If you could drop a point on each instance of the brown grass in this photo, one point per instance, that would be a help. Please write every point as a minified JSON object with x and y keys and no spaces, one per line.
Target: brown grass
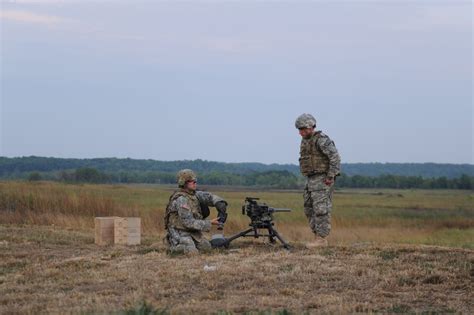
{"x":378,"y":259}
{"x":385,"y":216}
{"x":50,"y":270}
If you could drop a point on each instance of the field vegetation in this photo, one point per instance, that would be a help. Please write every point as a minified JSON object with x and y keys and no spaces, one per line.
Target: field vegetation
{"x":391,"y":251}
{"x":432,"y":217}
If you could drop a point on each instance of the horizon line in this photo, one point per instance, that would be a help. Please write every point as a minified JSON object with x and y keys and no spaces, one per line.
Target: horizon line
{"x":204,"y":160}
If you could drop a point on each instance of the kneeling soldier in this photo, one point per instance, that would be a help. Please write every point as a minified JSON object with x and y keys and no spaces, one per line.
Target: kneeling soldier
{"x":186,"y":213}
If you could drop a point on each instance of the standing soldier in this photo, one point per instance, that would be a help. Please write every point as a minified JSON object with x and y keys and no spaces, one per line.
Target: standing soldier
{"x":320,"y":163}
{"x":186,"y":212}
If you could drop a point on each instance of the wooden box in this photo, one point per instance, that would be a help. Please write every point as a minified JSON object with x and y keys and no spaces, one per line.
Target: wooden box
{"x":117,"y":230}
{"x":127,"y":231}
{"x":104,"y":230}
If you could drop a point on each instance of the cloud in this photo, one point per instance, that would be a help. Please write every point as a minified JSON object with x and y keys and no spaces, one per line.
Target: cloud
{"x":30,"y":17}
{"x":231,"y":45}
{"x":37,"y":1}
{"x":455,"y":16}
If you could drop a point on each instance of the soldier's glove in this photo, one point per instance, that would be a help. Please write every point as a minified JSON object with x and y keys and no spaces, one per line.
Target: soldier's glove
{"x":221,"y":207}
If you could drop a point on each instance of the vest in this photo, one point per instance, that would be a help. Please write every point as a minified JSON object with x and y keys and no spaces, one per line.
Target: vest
{"x":171,"y":216}
{"x":312,"y":159}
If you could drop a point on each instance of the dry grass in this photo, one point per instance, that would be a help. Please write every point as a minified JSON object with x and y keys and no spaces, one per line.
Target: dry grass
{"x":377,"y":216}
{"x":378,"y":260}
{"x":50,"y":270}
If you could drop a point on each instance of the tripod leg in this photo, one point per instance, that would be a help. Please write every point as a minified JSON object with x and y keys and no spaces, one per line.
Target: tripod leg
{"x":233,"y":237}
{"x":274,"y":232}
{"x":271,"y":235}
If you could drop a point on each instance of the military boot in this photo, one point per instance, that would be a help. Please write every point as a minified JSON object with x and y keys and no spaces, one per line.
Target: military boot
{"x":318,"y":242}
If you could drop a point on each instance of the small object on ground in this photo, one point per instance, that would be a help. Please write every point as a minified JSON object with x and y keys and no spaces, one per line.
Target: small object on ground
{"x":210,"y":268}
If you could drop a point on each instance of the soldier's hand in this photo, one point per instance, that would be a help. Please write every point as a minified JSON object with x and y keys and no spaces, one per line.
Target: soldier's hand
{"x":329,"y":181}
{"x":215,"y":221}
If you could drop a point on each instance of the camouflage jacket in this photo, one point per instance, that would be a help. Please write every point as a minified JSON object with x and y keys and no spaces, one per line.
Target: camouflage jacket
{"x":183,"y":211}
{"x":324,"y":159}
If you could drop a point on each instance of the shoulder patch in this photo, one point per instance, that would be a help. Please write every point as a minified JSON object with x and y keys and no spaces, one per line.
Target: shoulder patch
{"x":182,"y":202}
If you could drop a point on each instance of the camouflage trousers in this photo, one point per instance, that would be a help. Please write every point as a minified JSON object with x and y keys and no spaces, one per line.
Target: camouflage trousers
{"x":318,"y":204}
{"x":184,"y":242}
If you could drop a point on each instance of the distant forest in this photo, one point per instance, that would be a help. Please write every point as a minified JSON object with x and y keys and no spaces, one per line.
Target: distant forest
{"x":283,"y":176}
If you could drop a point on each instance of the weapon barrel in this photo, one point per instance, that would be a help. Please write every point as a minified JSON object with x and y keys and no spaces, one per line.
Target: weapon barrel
{"x":280,"y":210}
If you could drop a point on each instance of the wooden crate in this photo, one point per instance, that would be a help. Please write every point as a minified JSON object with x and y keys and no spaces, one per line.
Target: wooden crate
{"x":127,"y":231}
{"x":117,"y":230}
{"x":104,"y":230}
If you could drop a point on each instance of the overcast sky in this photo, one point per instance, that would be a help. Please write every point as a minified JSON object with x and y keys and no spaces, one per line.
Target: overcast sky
{"x":388,"y":81}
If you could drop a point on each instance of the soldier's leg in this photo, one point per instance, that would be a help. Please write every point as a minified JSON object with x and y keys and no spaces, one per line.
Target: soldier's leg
{"x":203,"y":245}
{"x":308,"y":209}
{"x":180,"y":243}
{"x":186,"y":245}
{"x":322,"y":204}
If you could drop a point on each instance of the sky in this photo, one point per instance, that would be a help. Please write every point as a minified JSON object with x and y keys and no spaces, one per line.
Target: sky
{"x":388,"y":81}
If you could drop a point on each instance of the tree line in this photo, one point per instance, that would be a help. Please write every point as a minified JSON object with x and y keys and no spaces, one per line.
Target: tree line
{"x":17,"y":167}
{"x":405,"y":182}
{"x":267,"y":179}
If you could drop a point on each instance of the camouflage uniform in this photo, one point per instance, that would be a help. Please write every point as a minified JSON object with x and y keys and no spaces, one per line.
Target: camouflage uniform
{"x":185,"y":222}
{"x":319,"y":160}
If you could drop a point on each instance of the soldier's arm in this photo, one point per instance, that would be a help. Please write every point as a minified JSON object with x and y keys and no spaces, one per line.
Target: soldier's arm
{"x":208,"y":199}
{"x":328,"y":147}
{"x":187,"y":218}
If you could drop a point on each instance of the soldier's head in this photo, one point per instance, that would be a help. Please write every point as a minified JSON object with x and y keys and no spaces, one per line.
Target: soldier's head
{"x":187,"y":179}
{"x":306,"y":124}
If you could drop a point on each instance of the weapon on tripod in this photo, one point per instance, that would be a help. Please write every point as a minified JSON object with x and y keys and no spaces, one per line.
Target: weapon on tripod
{"x":261,"y":217}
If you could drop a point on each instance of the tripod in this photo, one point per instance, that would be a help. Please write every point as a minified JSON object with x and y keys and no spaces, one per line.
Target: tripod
{"x":261,"y":217}
{"x":253,"y":231}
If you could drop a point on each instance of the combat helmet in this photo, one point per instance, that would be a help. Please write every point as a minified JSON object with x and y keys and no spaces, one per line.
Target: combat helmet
{"x":184,"y":176}
{"x":305,"y":121}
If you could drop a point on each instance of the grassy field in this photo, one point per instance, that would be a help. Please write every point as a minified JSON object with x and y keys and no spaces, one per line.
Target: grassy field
{"x":391,"y":251}
{"x":431,"y":217}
